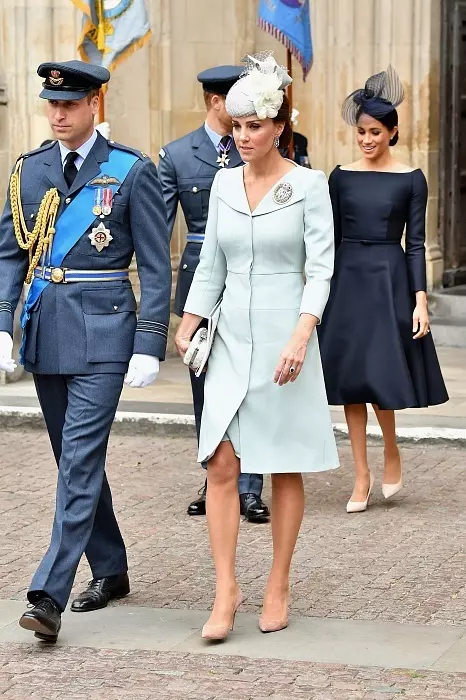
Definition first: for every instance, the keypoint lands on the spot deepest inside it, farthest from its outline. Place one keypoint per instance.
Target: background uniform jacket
(187, 168)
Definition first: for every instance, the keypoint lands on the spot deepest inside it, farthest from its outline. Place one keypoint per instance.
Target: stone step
(449, 331)
(448, 303)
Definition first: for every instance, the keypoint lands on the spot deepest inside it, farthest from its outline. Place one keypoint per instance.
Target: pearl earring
(276, 142)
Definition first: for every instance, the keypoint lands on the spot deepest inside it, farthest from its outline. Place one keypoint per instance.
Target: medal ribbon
(225, 144)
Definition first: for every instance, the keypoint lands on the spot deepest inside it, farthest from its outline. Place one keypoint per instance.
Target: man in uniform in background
(187, 168)
(300, 154)
(76, 211)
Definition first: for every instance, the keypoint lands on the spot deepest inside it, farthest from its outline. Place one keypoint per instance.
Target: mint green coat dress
(271, 265)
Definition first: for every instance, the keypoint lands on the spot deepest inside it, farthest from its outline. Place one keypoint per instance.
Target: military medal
(97, 208)
(224, 146)
(223, 160)
(107, 201)
(100, 237)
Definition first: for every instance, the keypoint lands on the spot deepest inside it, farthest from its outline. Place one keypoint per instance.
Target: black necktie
(70, 170)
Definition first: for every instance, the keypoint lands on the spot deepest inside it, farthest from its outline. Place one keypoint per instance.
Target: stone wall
(154, 96)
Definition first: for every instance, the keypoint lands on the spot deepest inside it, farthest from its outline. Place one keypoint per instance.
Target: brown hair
(208, 98)
(284, 116)
(93, 93)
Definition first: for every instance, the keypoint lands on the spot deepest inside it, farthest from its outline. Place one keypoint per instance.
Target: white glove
(7, 364)
(142, 370)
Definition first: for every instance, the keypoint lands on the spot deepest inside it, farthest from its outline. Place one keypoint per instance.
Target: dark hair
(284, 116)
(389, 120)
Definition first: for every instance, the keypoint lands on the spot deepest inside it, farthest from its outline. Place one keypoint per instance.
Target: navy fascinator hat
(382, 93)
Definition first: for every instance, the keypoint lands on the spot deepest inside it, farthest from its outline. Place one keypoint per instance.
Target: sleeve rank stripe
(147, 330)
(152, 323)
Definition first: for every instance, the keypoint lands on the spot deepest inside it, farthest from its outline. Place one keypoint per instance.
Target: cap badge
(55, 78)
(282, 193)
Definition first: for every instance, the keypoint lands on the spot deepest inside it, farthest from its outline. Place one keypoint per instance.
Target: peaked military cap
(71, 80)
(220, 79)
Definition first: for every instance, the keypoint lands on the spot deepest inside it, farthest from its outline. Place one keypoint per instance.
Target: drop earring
(276, 142)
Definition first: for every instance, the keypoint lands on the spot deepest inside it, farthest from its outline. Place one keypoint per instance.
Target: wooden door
(453, 142)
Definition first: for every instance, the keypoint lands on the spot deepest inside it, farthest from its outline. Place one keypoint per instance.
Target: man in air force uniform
(77, 209)
(187, 168)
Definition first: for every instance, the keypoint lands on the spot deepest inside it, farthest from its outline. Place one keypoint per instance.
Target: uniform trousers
(247, 483)
(79, 412)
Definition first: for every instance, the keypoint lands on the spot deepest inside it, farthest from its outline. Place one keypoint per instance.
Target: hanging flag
(112, 30)
(289, 21)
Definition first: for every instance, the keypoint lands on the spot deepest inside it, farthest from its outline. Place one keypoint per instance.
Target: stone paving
(29, 672)
(402, 561)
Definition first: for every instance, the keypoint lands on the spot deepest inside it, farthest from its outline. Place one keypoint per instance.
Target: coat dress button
(194, 189)
(67, 200)
(185, 267)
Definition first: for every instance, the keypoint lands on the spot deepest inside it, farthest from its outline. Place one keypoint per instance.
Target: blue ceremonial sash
(72, 224)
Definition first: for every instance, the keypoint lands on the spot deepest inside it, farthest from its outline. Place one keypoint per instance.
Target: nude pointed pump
(216, 633)
(390, 490)
(361, 506)
(266, 626)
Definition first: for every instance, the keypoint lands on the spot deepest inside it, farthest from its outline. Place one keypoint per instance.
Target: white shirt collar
(82, 151)
(213, 136)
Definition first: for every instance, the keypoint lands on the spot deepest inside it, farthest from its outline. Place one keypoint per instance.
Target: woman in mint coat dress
(265, 401)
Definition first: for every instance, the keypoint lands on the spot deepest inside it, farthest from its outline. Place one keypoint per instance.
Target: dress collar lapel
(293, 190)
(232, 191)
(54, 172)
(203, 148)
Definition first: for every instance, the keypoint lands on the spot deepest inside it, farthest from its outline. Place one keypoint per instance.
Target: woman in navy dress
(375, 339)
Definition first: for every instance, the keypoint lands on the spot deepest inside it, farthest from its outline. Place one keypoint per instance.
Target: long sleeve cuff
(315, 296)
(151, 338)
(6, 317)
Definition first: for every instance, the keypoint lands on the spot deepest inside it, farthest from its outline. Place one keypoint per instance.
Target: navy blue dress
(366, 339)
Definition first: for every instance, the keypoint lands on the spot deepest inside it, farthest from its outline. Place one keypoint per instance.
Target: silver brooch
(282, 193)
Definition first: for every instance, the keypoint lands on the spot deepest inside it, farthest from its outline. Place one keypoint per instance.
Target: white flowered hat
(260, 89)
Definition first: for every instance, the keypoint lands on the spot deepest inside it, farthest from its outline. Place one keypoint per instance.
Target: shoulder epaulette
(135, 151)
(41, 149)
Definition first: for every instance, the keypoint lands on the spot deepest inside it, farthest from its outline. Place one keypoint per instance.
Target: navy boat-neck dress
(366, 339)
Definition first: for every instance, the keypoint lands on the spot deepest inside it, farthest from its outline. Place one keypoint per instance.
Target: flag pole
(290, 98)
(101, 107)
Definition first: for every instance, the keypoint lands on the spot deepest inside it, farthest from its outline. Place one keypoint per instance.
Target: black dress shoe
(44, 619)
(100, 591)
(253, 508)
(197, 507)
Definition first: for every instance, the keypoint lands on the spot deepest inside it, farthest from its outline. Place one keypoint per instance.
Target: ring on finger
(292, 370)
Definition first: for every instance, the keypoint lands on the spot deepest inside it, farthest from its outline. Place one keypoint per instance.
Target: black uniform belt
(370, 241)
(63, 275)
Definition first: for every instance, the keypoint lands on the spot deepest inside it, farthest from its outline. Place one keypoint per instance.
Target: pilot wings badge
(104, 181)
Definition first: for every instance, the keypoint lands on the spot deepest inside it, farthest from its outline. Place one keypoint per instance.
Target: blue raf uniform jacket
(187, 168)
(86, 328)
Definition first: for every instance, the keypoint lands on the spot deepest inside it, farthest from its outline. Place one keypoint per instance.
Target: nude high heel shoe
(219, 632)
(361, 506)
(267, 626)
(390, 490)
